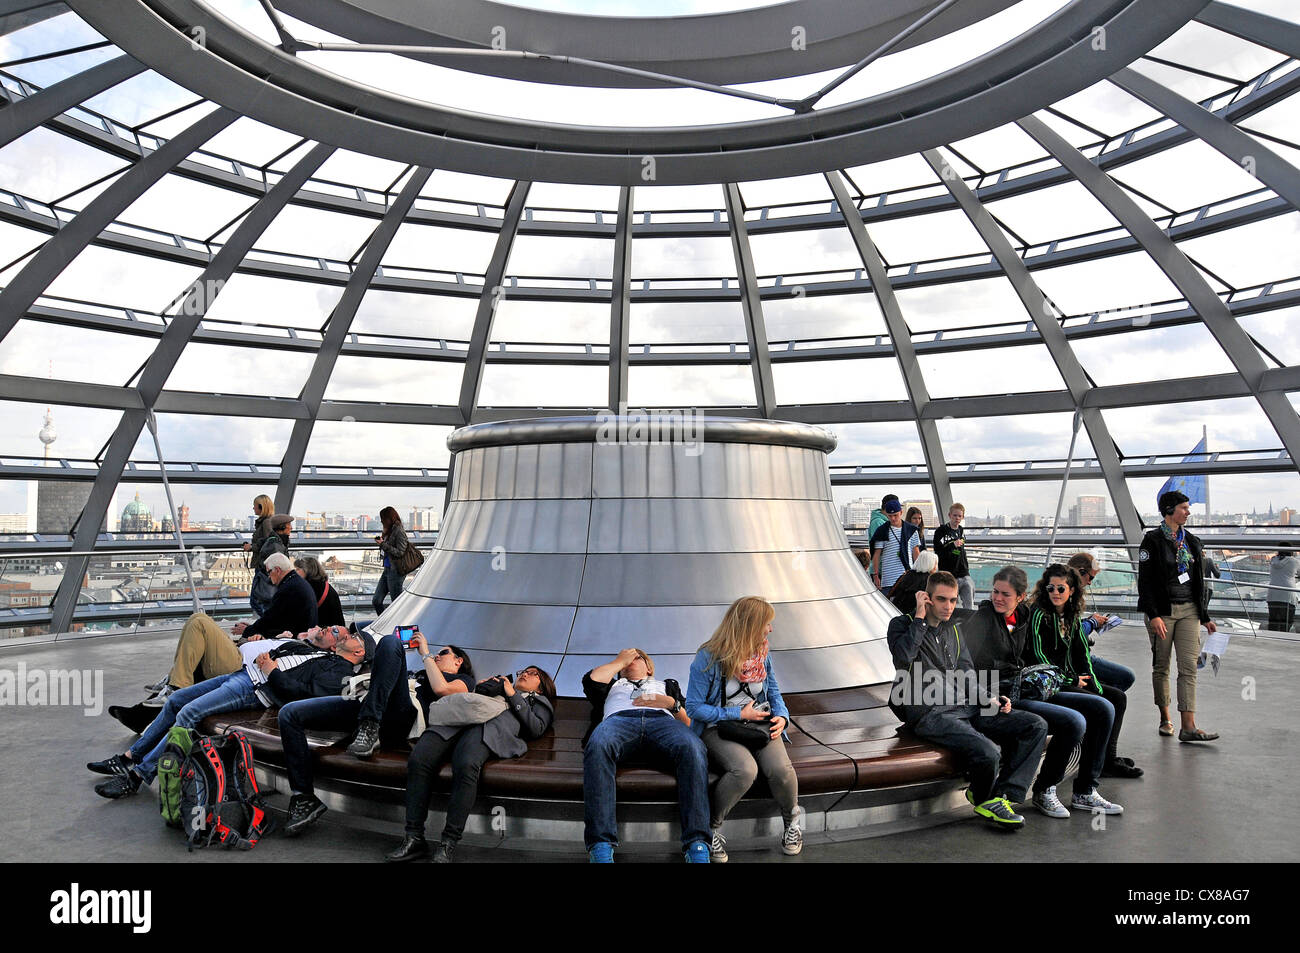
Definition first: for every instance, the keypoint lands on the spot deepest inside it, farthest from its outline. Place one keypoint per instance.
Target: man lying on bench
(274, 673)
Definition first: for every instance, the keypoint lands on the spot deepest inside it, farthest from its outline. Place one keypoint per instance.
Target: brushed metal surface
(529, 471)
(660, 579)
(701, 526)
(516, 526)
(720, 470)
(525, 578)
(520, 628)
(682, 629)
(604, 429)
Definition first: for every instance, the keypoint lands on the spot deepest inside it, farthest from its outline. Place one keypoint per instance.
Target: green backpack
(179, 742)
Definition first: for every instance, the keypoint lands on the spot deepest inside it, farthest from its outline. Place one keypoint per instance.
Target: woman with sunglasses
(1055, 638)
(733, 680)
(530, 709)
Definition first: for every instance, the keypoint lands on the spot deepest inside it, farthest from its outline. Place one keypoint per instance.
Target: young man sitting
(274, 673)
(634, 713)
(938, 697)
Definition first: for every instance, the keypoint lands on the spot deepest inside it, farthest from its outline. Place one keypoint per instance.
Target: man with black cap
(274, 673)
(1171, 585)
(894, 546)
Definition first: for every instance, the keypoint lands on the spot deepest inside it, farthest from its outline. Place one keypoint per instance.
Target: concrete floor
(1231, 801)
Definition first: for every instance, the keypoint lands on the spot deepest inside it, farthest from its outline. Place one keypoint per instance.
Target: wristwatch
(425, 656)
(677, 706)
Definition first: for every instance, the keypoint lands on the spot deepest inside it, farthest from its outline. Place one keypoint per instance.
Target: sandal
(1167, 728)
(1197, 735)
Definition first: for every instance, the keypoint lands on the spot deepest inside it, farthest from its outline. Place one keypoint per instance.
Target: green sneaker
(998, 812)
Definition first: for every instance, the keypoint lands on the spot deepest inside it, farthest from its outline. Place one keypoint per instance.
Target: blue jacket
(707, 685)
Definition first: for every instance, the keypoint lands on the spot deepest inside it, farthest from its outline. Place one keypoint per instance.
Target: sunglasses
(441, 652)
(1057, 588)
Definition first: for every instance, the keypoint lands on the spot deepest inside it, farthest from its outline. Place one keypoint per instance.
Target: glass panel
(997, 370)
(829, 382)
(893, 444)
(1234, 424)
(1188, 176)
(38, 349)
(107, 277)
(1106, 284)
(1154, 354)
(999, 148)
(216, 439)
(274, 302)
(1045, 215)
(700, 385)
(353, 168)
(144, 97)
(802, 188)
(257, 372)
(989, 303)
(551, 322)
(254, 143)
(798, 316)
(312, 232)
(423, 316)
(184, 207)
(926, 237)
(353, 442)
(546, 256)
(516, 385)
(1262, 504)
(1013, 437)
(79, 432)
(805, 250)
(716, 322)
(1275, 330)
(28, 165)
(440, 249)
(1251, 254)
(394, 381)
(682, 258)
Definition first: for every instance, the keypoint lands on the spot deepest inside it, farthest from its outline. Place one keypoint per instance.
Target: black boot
(413, 848)
(442, 853)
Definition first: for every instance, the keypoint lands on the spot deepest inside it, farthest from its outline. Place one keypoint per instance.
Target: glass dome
(989, 245)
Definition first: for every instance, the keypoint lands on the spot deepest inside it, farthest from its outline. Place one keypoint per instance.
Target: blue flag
(1192, 486)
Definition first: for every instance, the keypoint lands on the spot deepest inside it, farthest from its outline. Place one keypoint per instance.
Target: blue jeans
(1067, 728)
(1112, 673)
(643, 731)
(1100, 717)
(390, 584)
(187, 707)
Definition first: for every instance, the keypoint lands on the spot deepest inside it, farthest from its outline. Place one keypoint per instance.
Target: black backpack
(219, 801)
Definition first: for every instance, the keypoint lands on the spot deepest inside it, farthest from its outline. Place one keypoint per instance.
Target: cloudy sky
(49, 168)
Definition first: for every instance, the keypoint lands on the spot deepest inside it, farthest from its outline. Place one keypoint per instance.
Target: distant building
(1088, 511)
(857, 513)
(13, 522)
(927, 511)
(185, 517)
(137, 517)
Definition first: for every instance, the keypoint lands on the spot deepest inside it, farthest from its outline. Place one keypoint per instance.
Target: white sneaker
(792, 839)
(157, 701)
(1047, 802)
(1092, 801)
(718, 847)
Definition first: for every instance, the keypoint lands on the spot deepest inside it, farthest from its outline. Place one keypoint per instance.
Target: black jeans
(1120, 702)
(998, 752)
(468, 752)
(1281, 615)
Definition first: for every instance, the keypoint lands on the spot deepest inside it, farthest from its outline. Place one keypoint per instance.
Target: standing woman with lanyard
(1171, 587)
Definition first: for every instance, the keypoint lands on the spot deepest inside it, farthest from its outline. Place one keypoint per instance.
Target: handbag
(410, 560)
(754, 735)
(1037, 683)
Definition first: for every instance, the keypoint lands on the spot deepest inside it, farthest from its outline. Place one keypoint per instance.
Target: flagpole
(1206, 440)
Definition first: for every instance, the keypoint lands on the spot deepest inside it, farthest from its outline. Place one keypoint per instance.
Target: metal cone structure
(569, 539)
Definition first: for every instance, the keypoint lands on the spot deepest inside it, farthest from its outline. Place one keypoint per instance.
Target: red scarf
(752, 669)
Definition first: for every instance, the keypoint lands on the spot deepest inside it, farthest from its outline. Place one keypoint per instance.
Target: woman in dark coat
(329, 611)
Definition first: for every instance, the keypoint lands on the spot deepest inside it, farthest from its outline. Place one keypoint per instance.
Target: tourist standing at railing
(893, 547)
(1171, 596)
(399, 558)
(1110, 673)
(1283, 577)
(264, 509)
(950, 547)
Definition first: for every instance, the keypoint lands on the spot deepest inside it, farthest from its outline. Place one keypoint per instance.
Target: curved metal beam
(917, 393)
(161, 363)
(1043, 314)
(751, 303)
(59, 251)
(1182, 273)
(1041, 66)
(1249, 153)
(23, 115)
(794, 38)
(493, 291)
(340, 322)
(1259, 28)
(620, 303)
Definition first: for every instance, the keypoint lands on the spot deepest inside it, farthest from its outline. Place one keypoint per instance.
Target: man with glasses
(931, 659)
(273, 673)
(386, 712)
